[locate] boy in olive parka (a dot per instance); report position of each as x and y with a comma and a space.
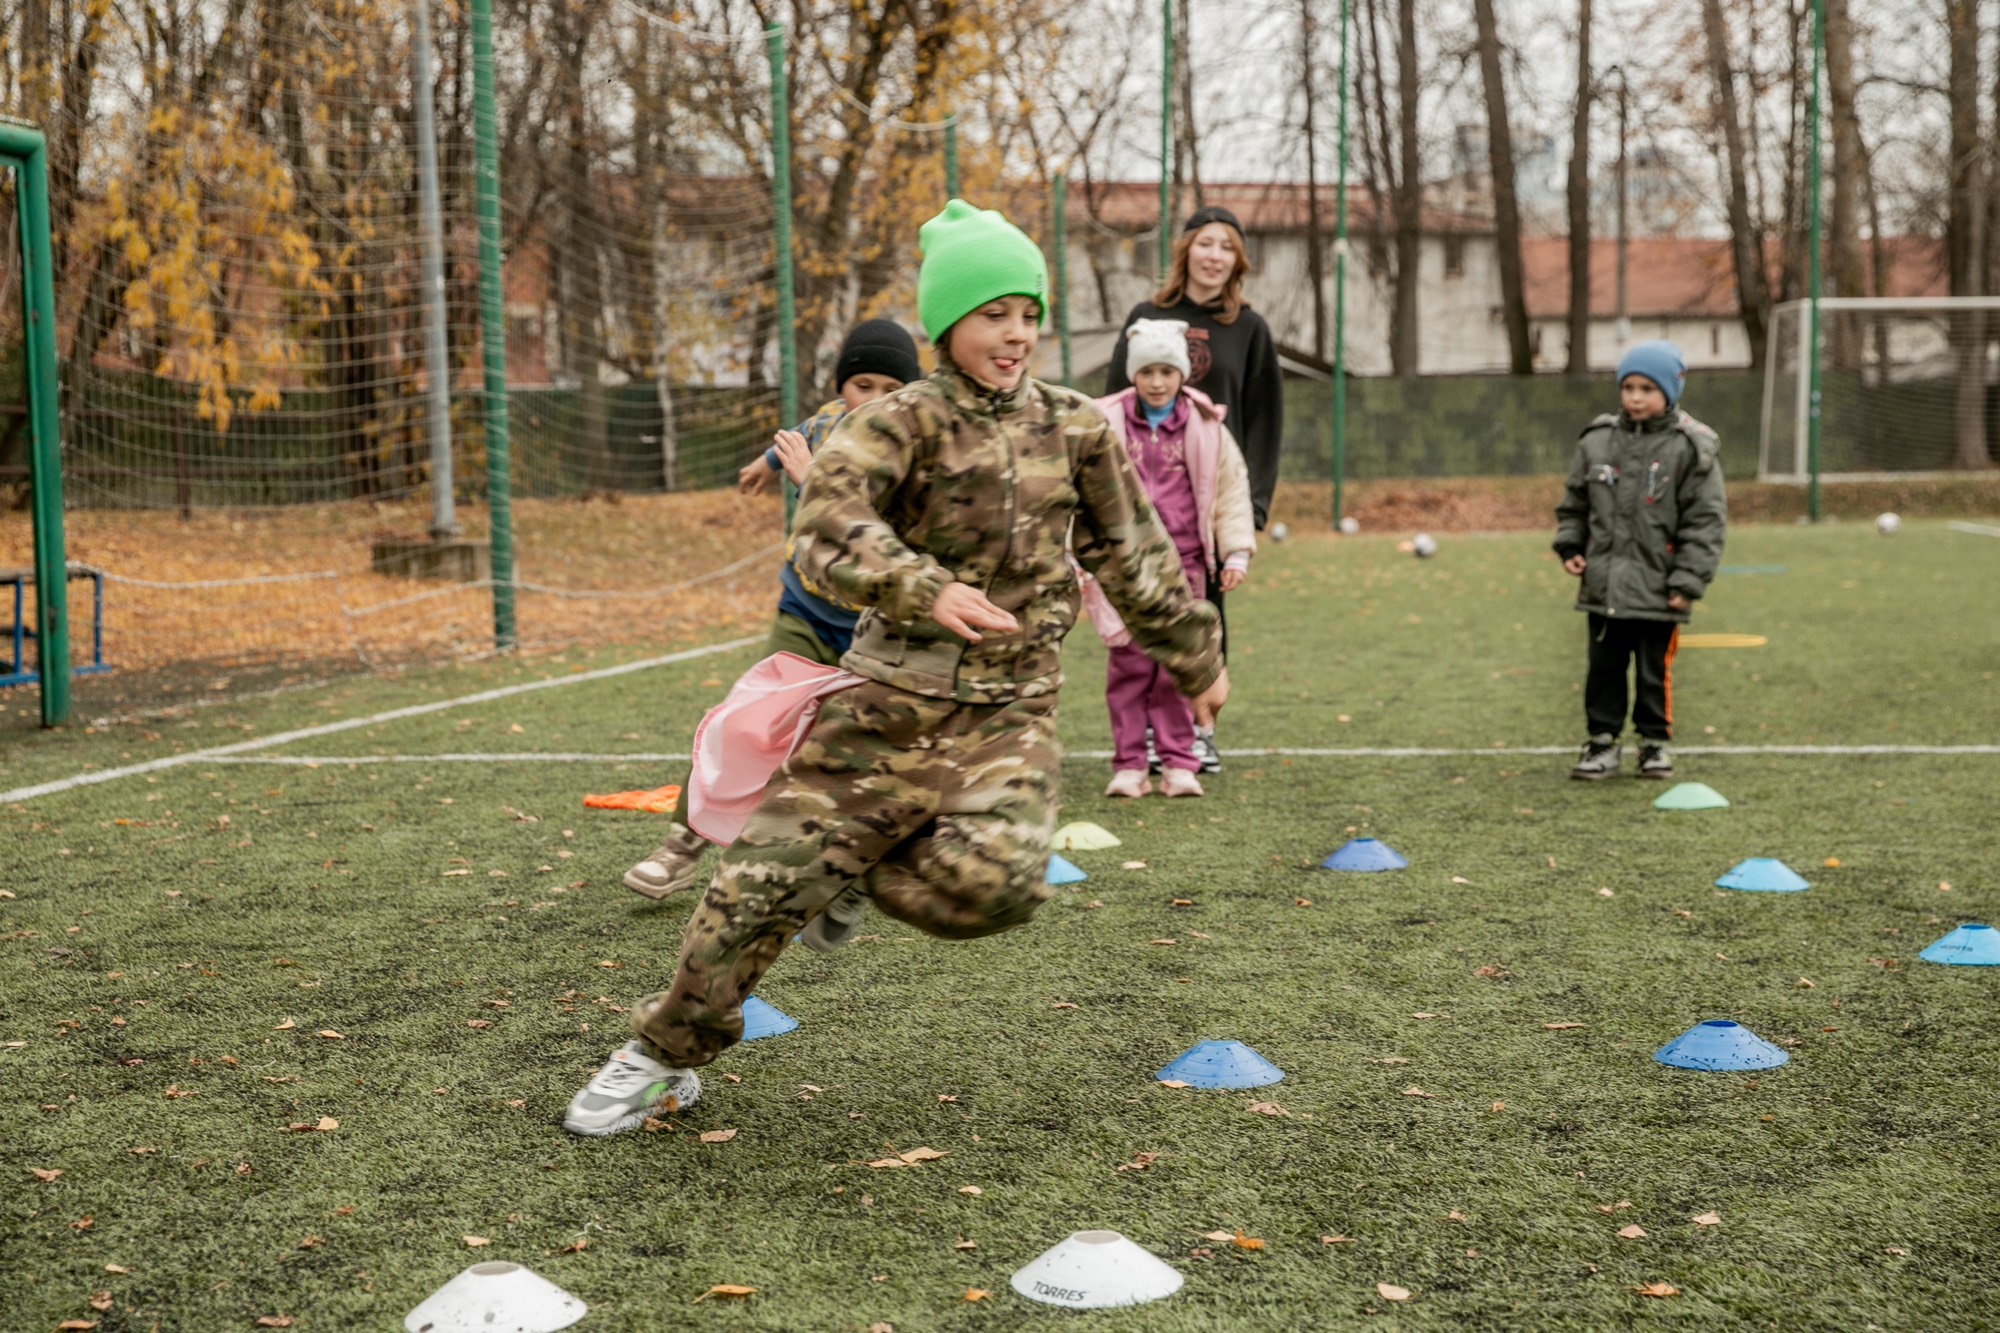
1641, 522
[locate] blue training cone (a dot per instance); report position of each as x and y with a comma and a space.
1062, 871
1719, 1046
1761, 874
1221, 1064
1968, 946
765, 1020
1363, 854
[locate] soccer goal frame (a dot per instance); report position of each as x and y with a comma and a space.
24, 151
1785, 435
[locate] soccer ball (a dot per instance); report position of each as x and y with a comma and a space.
1279, 532
1887, 524
1424, 546
1350, 525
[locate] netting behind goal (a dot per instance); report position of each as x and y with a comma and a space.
1907, 387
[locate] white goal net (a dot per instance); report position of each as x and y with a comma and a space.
1906, 387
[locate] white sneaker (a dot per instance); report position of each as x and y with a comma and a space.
1180, 782
672, 868
630, 1087
833, 928
1130, 783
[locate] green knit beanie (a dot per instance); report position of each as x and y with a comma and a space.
972, 256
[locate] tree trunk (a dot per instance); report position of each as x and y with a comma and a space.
1506, 207
1184, 73
1845, 267
1403, 350
1315, 241
1965, 233
1753, 287
1579, 201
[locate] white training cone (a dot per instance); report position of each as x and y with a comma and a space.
496, 1298
1094, 1270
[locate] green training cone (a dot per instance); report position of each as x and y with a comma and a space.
1691, 796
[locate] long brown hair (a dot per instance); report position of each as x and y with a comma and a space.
1175, 287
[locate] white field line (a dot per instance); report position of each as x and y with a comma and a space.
222, 752
1400, 752
1976, 529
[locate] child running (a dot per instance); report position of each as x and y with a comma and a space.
1200, 489
1641, 523
948, 511
877, 358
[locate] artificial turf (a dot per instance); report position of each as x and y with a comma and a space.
175, 942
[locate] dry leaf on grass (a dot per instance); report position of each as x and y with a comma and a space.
117, 1268
1609, 1208
977, 1294
1336, 1240
1267, 1108
274, 1321
1632, 1232
1133, 865
1416, 1092
915, 1155
965, 1245
1422, 1015
1059, 1004
1163, 941
1141, 1162
84, 1223
1302, 902
1218, 1235
46, 1174
1175, 1083
1244, 1242
1498, 1107
1492, 972
1460, 879
1389, 1291
75, 1325
99, 1301
481, 1023
727, 1290
717, 1135
1658, 1290
1896, 1250
286, 1026
1455, 1216
476, 1242
330, 1034
1564, 1027
1707, 1219
970, 1189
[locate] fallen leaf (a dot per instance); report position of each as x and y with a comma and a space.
717, 1135
1267, 1108
965, 1245
1059, 1004
1896, 1250
1604, 893
1455, 1216
1564, 1027
330, 1034
84, 1223
1244, 1242
1336, 1240
1183, 902
1460, 879
1659, 1290
1498, 1107
175, 1092
1707, 1219
1609, 1208
274, 1321
1141, 1162
1831, 863
977, 1294
99, 1301
481, 1023
881, 1327
1804, 983
119, 1269
477, 1242
286, 1026
1389, 1291
1416, 1092
1218, 1235
1163, 941
1391, 1060
142, 1152
728, 1290
581, 1244
1302, 902
916, 1155
46, 1174
1093, 905
1133, 865
1422, 1015
1175, 1083
970, 1189
75, 1325
311, 1243
1491, 971
1632, 1232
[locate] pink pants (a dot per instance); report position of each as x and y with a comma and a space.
1141, 694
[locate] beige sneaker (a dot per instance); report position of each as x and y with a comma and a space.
670, 869
1130, 783
1180, 782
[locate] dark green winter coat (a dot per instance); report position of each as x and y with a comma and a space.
1644, 506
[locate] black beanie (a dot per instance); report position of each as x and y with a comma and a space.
878, 347
1203, 216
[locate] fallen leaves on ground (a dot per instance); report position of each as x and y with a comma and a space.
1163, 941
1389, 1291
325, 1125
1141, 1162
1896, 1250
1658, 1290
286, 1026
1267, 1108
1564, 1027
727, 1290
970, 1189
99, 1301
84, 1223
1175, 1083
1243, 1242
1455, 1216
1059, 1004
717, 1135
1421, 1014
1218, 1235
1707, 1219
75, 1325
1417, 1092
914, 1157
1336, 1240
331, 1035
274, 1321
1632, 1232
46, 1174
476, 1242
1133, 865
977, 1294
117, 1268
965, 1245
1498, 1107
1620, 1206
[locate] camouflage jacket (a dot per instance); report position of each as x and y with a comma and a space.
945, 481
1644, 505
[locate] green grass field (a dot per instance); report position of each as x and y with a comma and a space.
172, 942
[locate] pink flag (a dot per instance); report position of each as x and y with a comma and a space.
747, 737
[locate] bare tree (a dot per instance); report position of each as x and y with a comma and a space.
1965, 232
1851, 170
1579, 200
1753, 287
1409, 196
1315, 241
1506, 206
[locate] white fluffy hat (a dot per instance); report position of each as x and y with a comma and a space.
1157, 342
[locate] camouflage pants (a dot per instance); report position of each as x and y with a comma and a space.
941, 810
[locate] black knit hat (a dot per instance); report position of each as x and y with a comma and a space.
1203, 216
878, 347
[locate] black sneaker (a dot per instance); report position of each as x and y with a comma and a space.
1204, 750
1600, 759
1656, 760
1152, 752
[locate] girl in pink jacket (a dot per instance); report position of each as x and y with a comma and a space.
1195, 476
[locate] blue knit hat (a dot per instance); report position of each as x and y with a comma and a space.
1660, 362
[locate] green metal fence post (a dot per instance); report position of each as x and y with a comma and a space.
1062, 276
26, 151
1340, 292
781, 210
493, 328
1813, 265
1166, 137
951, 157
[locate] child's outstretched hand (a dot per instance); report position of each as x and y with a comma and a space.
1676, 602
1232, 579
754, 477
1210, 701
1575, 564
964, 610
793, 455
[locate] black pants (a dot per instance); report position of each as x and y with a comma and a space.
1614, 644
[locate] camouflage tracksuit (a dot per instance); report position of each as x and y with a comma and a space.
934, 782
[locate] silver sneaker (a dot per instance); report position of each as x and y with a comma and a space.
631, 1086
1204, 750
1656, 761
1600, 759
836, 926
675, 866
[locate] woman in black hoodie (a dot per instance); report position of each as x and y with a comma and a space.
1234, 361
